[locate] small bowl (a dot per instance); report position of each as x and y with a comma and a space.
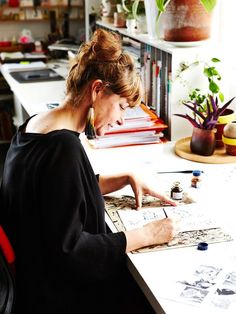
230, 145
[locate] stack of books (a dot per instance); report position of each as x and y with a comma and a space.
141, 126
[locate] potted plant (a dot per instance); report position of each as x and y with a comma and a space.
130, 20
206, 110
139, 13
135, 12
185, 20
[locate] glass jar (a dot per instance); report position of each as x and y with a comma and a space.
196, 179
176, 192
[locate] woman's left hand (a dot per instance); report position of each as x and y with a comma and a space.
113, 183
140, 188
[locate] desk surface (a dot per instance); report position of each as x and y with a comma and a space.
156, 271
35, 96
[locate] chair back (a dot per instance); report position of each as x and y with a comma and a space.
7, 275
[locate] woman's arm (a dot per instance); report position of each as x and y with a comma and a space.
153, 233
114, 183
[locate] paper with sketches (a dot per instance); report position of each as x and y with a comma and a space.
212, 288
183, 239
192, 217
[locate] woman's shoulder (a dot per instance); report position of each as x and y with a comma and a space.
64, 138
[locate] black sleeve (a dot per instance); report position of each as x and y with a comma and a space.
73, 244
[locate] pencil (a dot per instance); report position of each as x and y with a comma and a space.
165, 212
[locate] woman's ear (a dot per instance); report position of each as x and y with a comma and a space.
96, 87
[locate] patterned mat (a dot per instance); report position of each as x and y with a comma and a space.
183, 239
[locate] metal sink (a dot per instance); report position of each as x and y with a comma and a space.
34, 76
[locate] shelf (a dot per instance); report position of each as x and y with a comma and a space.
144, 38
37, 20
48, 6
26, 13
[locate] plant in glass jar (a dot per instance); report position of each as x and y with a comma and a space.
184, 20
162, 4
206, 109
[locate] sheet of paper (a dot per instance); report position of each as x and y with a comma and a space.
211, 288
191, 216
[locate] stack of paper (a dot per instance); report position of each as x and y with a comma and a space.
19, 56
141, 126
38, 65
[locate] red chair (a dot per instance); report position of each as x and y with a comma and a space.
7, 274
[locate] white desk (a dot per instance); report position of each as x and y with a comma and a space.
154, 271
31, 98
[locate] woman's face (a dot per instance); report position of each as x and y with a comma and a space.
109, 110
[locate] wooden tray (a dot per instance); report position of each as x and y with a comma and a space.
182, 149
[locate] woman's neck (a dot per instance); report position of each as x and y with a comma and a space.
66, 116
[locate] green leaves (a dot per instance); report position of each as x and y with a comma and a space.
208, 4
161, 4
213, 75
138, 8
205, 107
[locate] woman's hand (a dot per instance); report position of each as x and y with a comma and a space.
140, 188
113, 183
153, 233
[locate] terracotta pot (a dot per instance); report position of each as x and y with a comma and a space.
230, 145
186, 21
203, 142
226, 117
119, 19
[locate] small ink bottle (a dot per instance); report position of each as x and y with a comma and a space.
196, 179
176, 192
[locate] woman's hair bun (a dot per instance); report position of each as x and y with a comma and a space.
105, 46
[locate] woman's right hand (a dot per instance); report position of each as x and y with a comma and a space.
161, 231
155, 232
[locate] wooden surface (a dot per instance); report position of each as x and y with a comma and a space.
182, 149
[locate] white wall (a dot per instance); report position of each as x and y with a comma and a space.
227, 41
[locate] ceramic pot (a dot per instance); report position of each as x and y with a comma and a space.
226, 117
230, 129
131, 25
185, 21
203, 142
230, 145
229, 138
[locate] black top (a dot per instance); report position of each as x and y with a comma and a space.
53, 212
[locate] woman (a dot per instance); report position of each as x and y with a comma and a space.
53, 206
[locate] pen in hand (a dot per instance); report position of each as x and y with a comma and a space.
165, 212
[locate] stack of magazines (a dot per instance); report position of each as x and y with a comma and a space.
141, 126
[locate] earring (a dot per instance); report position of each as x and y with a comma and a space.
89, 128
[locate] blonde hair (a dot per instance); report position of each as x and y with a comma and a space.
102, 58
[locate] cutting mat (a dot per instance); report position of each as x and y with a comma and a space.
182, 149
